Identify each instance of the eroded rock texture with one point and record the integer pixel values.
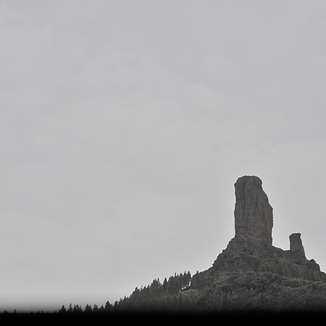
(253, 214)
(253, 274)
(296, 244)
(251, 248)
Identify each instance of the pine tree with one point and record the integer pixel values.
(186, 279)
(165, 286)
(88, 309)
(171, 287)
(77, 309)
(70, 310)
(63, 310)
(177, 284)
(196, 281)
(135, 294)
(155, 287)
(108, 306)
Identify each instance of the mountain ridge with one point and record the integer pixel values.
(250, 274)
(252, 244)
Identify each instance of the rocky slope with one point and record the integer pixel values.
(264, 291)
(250, 275)
(241, 273)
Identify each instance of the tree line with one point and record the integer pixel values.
(176, 293)
(180, 292)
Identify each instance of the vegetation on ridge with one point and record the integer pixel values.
(177, 293)
(292, 271)
(180, 292)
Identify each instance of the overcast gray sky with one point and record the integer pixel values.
(125, 124)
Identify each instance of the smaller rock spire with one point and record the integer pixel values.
(296, 244)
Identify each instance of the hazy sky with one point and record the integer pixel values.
(125, 124)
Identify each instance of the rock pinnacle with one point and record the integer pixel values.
(253, 214)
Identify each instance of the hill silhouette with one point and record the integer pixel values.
(250, 275)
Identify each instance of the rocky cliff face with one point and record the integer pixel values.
(253, 215)
(296, 244)
(243, 267)
(252, 246)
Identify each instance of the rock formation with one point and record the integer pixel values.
(250, 274)
(253, 274)
(251, 248)
(254, 292)
(296, 244)
(253, 215)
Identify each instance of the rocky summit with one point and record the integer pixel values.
(250, 275)
(253, 274)
(252, 246)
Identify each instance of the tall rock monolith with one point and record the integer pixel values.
(251, 247)
(250, 273)
(253, 214)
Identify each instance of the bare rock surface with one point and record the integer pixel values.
(296, 244)
(251, 272)
(252, 246)
(253, 214)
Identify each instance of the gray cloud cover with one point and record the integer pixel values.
(125, 124)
